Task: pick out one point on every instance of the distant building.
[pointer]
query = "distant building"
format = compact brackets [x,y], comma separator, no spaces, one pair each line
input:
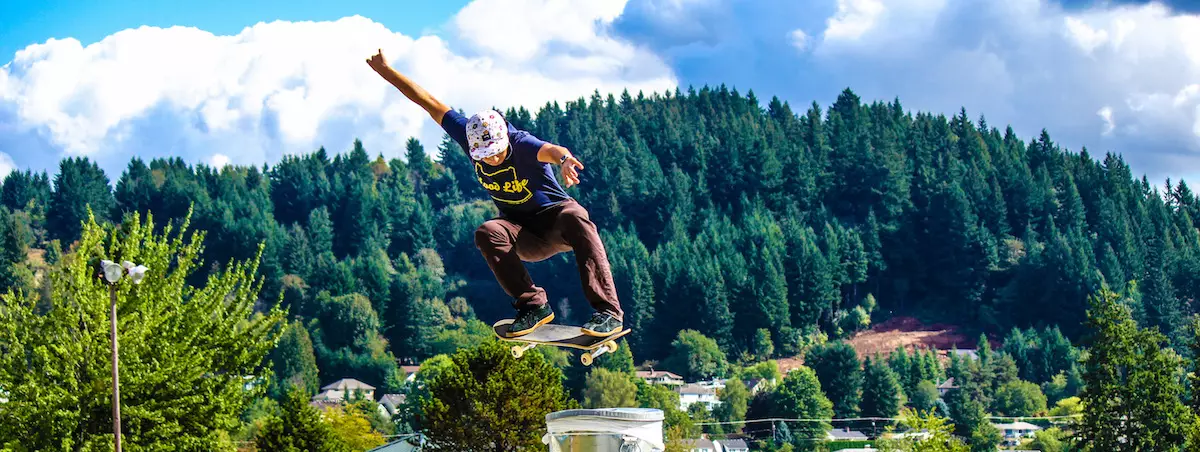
[410,373]
[1015,431]
[390,403]
[732,445]
[845,434]
[412,443]
[700,445]
[348,387]
[660,377]
[694,393]
[968,353]
[946,386]
[756,385]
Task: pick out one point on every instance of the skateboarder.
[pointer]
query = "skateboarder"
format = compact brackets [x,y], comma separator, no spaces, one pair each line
[537,218]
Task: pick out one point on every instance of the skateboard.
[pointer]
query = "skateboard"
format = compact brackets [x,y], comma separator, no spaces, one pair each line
[560,336]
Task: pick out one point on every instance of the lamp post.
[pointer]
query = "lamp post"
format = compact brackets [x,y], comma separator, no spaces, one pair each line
[112,273]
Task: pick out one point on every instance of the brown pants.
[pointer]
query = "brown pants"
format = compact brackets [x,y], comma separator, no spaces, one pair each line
[505,244]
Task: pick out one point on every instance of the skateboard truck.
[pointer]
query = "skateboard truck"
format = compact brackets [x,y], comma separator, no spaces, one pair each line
[587,358]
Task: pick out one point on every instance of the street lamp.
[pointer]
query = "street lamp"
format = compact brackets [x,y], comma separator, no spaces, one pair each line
[112,273]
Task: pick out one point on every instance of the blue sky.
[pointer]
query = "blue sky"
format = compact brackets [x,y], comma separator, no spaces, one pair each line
[247,82]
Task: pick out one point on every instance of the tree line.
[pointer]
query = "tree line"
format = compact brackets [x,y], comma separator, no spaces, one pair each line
[762,229]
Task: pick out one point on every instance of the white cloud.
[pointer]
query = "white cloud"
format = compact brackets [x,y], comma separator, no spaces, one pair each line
[853,19]
[218,160]
[799,39]
[1106,113]
[6,165]
[293,86]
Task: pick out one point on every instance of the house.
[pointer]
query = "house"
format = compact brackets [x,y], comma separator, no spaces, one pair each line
[660,377]
[694,393]
[732,445]
[390,403]
[845,434]
[349,387]
[968,353]
[1015,431]
[410,373]
[412,443]
[946,386]
[756,385]
[699,445]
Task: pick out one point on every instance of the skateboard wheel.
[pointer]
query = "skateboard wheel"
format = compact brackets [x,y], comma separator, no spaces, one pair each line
[612,346]
[517,351]
[586,359]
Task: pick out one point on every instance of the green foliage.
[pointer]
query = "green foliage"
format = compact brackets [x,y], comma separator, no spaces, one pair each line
[353,427]
[298,427]
[1132,396]
[735,400]
[939,436]
[186,352]
[799,396]
[836,365]
[608,389]
[924,397]
[696,356]
[1050,440]
[882,395]
[294,362]
[1019,398]
[486,399]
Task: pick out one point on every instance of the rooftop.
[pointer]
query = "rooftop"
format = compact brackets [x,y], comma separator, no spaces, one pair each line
[348,383]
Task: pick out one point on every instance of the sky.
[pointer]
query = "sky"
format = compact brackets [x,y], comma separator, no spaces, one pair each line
[221,82]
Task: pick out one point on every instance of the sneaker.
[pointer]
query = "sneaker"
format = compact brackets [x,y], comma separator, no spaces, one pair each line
[530,319]
[602,325]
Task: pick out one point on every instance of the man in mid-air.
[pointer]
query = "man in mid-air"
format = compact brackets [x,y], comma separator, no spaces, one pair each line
[537,217]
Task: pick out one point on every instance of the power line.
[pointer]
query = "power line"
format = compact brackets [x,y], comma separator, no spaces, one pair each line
[890,419]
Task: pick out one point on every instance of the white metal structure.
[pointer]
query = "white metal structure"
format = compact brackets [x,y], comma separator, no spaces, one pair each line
[604,430]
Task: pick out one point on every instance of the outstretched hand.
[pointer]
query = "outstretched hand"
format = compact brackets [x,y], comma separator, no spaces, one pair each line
[377,61]
[570,170]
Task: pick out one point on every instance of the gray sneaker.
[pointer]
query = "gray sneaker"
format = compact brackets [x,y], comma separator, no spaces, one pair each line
[602,325]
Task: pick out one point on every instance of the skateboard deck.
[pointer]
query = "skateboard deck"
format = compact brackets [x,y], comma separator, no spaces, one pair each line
[570,336]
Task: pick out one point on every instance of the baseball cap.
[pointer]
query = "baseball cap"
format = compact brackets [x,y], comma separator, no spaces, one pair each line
[487,134]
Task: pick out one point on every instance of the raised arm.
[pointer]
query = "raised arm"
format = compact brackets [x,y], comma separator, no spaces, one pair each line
[411,90]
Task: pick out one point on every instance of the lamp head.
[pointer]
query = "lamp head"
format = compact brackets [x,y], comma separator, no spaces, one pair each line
[112,271]
[138,273]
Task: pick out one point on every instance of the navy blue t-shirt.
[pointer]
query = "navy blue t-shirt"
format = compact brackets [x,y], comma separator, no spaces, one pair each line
[520,185]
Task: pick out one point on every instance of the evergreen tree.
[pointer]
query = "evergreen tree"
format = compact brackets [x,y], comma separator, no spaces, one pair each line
[881,393]
[1132,397]
[837,367]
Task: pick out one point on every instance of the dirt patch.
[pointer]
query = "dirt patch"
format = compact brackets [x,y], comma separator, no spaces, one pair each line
[910,333]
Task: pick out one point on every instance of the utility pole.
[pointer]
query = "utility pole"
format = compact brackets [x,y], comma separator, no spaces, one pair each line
[116,403]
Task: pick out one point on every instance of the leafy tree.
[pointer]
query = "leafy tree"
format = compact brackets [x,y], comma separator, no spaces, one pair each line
[1132,397]
[940,436]
[353,428]
[735,400]
[799,396]
[487,400]
[609,389]
[1019,398]
[923,398]
[202,340]
[696,356]
[1050,440]
[299,427]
